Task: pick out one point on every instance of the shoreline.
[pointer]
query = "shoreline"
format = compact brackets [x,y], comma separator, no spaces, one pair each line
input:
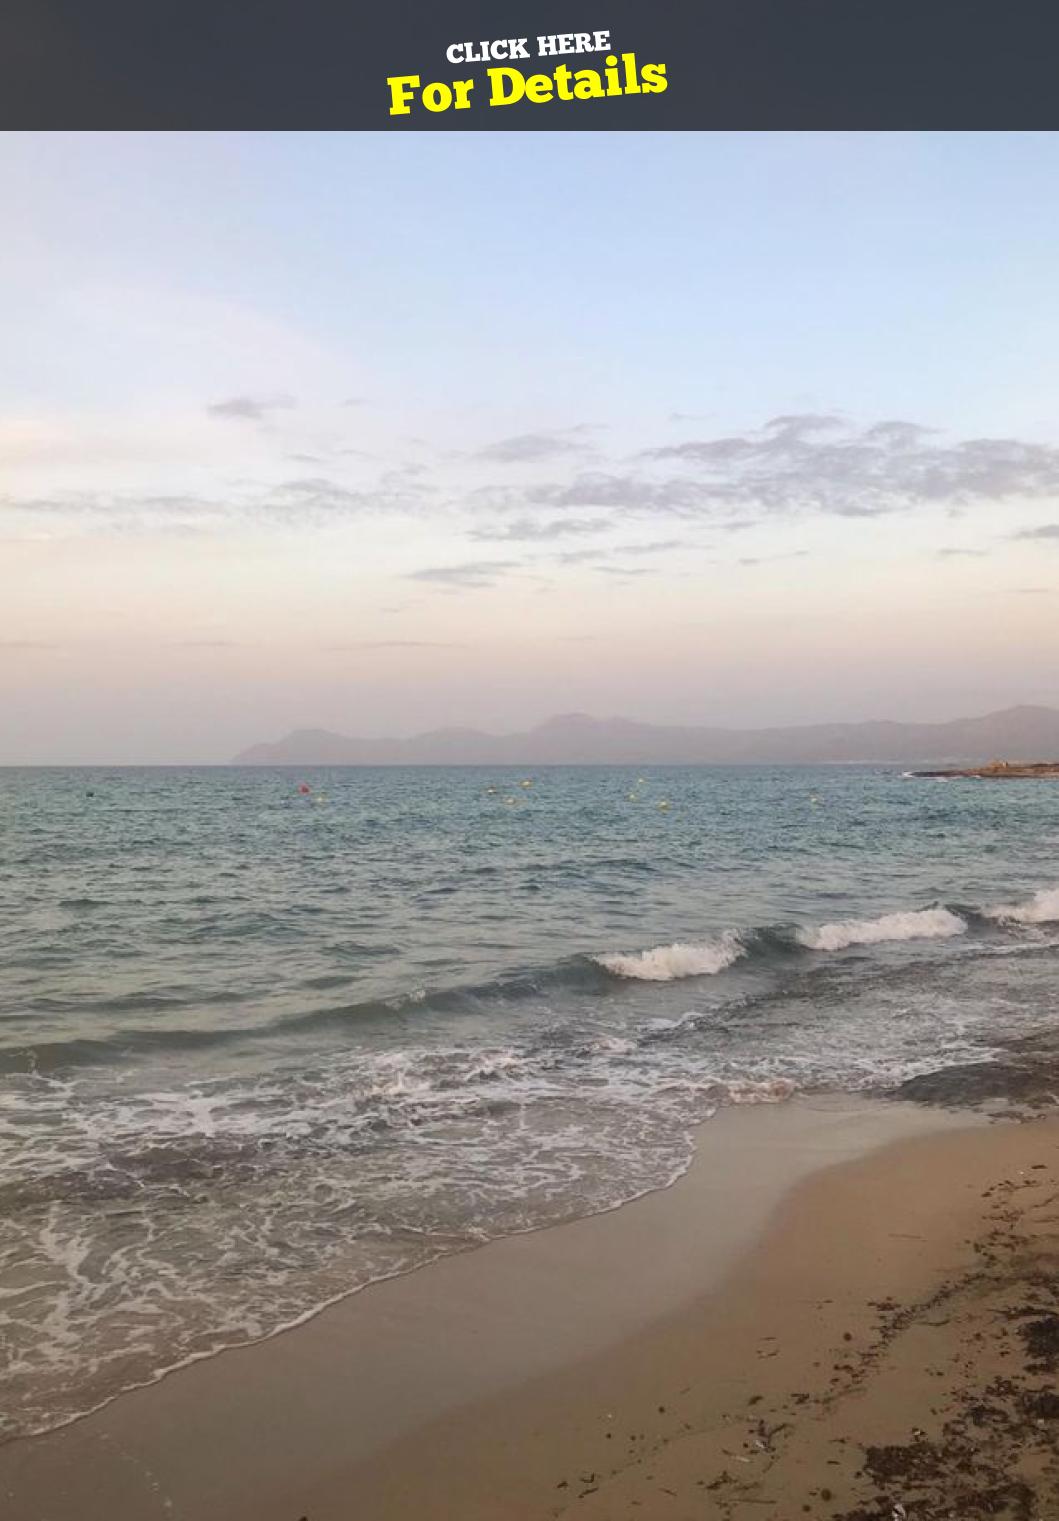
[228,1435]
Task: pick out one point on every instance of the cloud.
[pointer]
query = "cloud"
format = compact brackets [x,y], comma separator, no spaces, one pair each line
[472,574]
[250,408]
[530,530]
[800,463]
[1034,591]
[302,500]
[576,556]
[801,424]
[404,475]
[584,556]
[313,495]
[816,462]
[400,644]
[120,513]
[528,448]
[319,499]
[793,465]
[790,554]
[207,644]
[599,490]
[28,644]
[954,554]
[659,546]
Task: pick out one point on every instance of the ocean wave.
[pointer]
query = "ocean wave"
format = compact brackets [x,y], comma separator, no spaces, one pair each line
[914,924]
[1042,908]
[584,975]
[668,963]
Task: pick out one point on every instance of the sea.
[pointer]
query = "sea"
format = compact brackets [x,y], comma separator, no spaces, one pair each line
[268,1036]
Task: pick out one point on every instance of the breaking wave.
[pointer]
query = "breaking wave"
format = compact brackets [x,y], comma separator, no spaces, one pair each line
[918,924]
[669,963]
[1042,908]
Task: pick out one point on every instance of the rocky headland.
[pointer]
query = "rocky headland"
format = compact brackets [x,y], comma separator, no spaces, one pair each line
[1002,770]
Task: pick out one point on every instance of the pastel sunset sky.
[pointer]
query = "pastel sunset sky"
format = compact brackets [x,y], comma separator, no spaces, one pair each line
[383,432]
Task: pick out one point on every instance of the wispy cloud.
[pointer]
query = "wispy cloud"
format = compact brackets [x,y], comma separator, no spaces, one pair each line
[1046,531]
[791,554]
[529,448]
[960,554]
[616,493]
[114,511]
[657,547]
[576,556]
[305,499]
[471,574]
[818,462]
[400,644]
[250,408]
[798,463]
[313,495]
[530,530]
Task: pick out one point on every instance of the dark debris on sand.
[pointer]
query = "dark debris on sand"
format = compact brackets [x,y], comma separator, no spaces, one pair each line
[994,1452]
[969,1372]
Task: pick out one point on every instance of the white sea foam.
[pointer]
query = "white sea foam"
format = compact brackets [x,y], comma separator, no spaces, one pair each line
[915,924]
[613,1045]
[668,963]
[1042,908]
[770,1090]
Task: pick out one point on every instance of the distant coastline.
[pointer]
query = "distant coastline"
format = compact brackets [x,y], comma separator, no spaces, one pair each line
[578,739]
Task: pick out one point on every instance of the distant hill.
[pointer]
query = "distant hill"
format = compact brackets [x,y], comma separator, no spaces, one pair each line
[1021,733]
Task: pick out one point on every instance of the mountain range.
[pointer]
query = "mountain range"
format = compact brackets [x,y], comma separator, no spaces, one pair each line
[1019,733]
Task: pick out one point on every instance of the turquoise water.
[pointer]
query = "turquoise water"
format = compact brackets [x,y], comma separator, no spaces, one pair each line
[267,1036]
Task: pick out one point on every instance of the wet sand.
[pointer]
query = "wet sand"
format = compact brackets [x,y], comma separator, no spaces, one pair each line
[843,1308]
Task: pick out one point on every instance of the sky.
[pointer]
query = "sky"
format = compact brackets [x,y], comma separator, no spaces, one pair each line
[380,433]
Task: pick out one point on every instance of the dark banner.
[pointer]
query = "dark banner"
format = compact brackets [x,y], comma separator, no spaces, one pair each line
[586,65]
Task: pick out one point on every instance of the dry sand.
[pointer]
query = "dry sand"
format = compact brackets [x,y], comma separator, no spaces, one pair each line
[878,1341]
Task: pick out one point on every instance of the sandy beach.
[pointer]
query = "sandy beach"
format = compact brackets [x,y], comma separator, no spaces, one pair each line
[842,1309]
